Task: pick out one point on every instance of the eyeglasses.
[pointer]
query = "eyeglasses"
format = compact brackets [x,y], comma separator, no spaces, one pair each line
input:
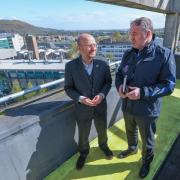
[90,45]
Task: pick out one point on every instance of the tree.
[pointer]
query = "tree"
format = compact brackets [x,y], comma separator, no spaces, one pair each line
[110,57]
[42,91]
[116,36]
[29,95]
[16,88]
[125,37]
[101,38]
[72,52]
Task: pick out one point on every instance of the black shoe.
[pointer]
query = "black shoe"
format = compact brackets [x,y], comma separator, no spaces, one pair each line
[144,170]
[108,153]
[80,162]
[126,153]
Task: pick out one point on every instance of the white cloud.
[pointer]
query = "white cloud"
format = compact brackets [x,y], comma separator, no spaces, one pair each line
[10,18]
[14,18]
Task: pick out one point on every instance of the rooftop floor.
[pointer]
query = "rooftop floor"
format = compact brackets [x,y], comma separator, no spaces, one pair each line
[98,168]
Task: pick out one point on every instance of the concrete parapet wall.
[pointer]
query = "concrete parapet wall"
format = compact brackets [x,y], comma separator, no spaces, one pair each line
[37,137]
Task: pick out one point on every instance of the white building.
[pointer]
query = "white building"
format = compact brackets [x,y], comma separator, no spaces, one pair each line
[114,49]
[18,42]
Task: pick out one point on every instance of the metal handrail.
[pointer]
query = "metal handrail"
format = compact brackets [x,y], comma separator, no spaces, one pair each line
[39,87]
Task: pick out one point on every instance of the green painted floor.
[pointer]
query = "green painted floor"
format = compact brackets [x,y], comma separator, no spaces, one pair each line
[98,168]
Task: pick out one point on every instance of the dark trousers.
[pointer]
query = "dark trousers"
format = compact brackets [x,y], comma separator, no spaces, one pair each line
[147,129]
[84,127]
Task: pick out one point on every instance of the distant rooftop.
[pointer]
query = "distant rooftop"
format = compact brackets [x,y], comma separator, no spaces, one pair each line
[116,43]
[34,65]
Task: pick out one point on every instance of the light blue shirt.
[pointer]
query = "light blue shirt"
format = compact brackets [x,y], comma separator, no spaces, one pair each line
[88,67]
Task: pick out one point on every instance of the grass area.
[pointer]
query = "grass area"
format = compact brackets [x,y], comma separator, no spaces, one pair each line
[98,168]
[2,113]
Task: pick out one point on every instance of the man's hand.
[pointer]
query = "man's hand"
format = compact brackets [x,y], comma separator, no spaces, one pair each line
[121,94]
[134,93]
[97,99]
[88,102]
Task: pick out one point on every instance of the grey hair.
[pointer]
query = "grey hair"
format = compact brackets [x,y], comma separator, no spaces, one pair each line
[144,22]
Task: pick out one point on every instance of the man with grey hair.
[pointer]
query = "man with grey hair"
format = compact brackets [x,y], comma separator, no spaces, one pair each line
[146,74]
[87,82]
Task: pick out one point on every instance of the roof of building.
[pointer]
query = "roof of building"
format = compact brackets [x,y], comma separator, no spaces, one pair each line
[7,53]
[52,65]
[115,43]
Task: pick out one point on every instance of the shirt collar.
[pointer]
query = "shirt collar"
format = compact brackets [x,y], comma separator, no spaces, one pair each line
[86,65]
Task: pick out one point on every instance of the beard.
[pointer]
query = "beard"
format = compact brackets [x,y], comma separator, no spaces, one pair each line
[92,53]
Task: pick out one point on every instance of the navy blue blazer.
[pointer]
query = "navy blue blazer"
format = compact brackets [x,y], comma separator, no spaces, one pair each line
[77,83]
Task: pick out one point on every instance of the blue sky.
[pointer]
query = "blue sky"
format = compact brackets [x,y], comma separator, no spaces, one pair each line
[74,14]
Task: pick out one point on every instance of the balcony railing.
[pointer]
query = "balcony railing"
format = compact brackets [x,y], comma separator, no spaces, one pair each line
[42,86]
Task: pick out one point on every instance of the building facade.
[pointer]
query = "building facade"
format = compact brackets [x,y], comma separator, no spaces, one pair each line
[113,50]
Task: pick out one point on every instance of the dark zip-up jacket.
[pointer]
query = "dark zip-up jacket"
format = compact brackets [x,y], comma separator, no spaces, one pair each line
[153,70]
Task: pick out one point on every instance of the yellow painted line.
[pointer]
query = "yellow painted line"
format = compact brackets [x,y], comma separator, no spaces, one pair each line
[176,93]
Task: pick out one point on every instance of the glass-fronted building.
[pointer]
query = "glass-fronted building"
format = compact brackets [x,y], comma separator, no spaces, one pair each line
[6,43]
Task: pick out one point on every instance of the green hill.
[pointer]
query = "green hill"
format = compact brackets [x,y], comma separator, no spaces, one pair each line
[16,26]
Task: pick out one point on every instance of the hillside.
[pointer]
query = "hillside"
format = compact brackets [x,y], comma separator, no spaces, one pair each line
[16,26]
